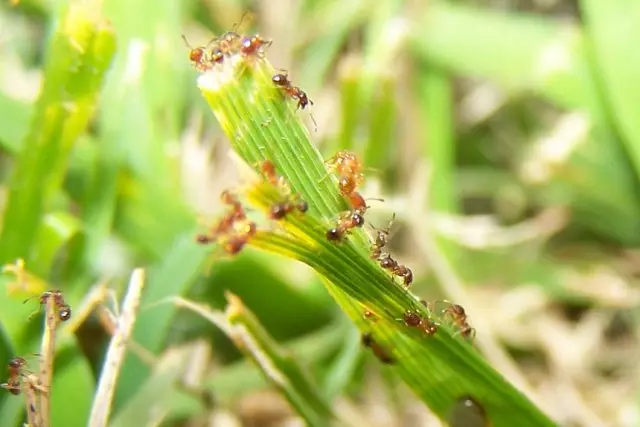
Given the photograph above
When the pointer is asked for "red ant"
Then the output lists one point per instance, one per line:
(294, 92)
(268, 169)
(282, 209)
(254, 45)
(378, 351)
(368, 314)
(15, 370)
(235, 242)
(347, 221)
(414, 320)
(345, 163)
(226, 223)
(64, 310)
(199, 57)
(458, 317)
(231, 42)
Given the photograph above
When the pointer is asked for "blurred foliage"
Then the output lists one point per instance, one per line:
(503, 131)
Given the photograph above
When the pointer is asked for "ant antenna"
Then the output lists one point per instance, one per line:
(185, 41)
(236, 25)
(315, 124)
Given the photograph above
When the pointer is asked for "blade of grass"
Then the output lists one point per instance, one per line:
(612, 30)
(115, 353)
(260, 124)
(78, 57)
(276, 365)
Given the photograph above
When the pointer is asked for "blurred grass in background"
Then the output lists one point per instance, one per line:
(506, 130)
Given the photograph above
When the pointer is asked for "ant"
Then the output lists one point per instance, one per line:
(64, 310)
(254, 45)
(345, 163)
(231, 42)
(268, 169)
(235, 242)
(403, 272)
(282, 81)
(368, 314)
(414, 320)
(382, 240)
(458, 317)
(227, 222)
(282, 209)
(15, 370)
(347, 221)
(378, 351)
(199, 57)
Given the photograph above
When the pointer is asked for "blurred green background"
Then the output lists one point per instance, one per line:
(506, 129)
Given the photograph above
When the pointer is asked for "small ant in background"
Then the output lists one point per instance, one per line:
(15, 370)
(16, 367)
(378, 351)
(63, 309)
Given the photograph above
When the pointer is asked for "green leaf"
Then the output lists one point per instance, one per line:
(612, 28)
(262, 124)
(78, 57)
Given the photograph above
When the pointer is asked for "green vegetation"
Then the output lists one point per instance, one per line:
(503, 141)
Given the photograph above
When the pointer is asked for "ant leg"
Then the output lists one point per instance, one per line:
(315, 124)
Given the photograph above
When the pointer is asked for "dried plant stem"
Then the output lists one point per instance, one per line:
(30, 390)
(47, 352)
(115, 353)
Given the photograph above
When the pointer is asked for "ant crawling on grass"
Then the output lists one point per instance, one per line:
(17, 370)
(378, 351)
(456, 315)
(63, 309)
(282, 81)
(254, 46)
(385, 260)
(281, 209)
(425, 324)
(346, 222)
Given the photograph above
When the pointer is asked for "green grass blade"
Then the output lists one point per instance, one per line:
(280, 368)
(261, 124)
(539, 55)
(612, 28)
(80, 53)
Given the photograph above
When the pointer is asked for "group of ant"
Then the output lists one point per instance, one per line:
(350, 177)
(17, 365)
(233, 231)
(349, 170)
(453, 314)
(205, 58)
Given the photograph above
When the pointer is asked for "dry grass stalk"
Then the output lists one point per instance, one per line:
(116, 352)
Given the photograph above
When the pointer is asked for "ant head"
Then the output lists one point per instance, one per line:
(64, 313)
(303, 206)
(278, 211)
(334, 234)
